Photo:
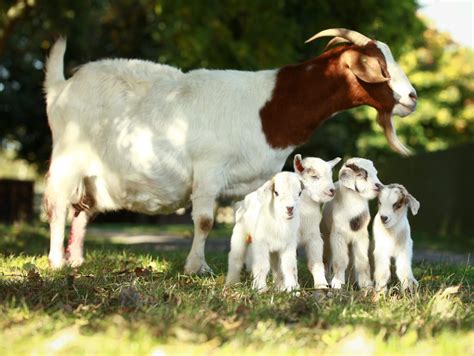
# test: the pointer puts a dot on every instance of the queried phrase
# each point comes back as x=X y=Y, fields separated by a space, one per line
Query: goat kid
x=268 y=219
x=392 y=237
x=316 y=176
x=345 y=221
x=136 y=135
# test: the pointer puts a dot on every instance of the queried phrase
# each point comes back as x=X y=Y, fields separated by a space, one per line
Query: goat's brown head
x=375 y=79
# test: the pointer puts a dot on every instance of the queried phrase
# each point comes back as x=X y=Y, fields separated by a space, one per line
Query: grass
x=128 y=300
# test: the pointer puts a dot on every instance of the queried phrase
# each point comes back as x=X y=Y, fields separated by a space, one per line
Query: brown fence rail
x=16 y=200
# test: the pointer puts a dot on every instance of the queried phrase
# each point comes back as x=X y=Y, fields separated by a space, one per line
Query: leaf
x=142 y=272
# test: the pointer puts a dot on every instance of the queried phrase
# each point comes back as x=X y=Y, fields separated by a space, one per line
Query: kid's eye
x=300 y=193
x=276 y=193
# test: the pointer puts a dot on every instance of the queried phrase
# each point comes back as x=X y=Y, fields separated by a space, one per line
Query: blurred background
x=254 y=35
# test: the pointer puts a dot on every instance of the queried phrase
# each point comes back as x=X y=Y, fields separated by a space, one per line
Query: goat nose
x=289 y=209
x=413 y=95
x=379 y=186
x=383 y=218
x=332 y=191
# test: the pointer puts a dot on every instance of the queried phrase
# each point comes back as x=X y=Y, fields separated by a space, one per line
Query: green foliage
x=237 y=34
x=133 y=301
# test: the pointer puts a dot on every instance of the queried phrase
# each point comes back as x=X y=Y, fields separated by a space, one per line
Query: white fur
x=403 y=92
x=392 y=238
x=149 y=138
x=318 y=188
x=353 y=192
x=139 y=133
x=265 y=217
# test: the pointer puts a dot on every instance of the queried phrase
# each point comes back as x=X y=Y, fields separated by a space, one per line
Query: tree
x=237 y=34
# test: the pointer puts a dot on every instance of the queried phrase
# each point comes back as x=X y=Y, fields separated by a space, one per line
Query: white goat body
x=345 y=221
x=392 y=237
x=268 y=220
x=138 y=134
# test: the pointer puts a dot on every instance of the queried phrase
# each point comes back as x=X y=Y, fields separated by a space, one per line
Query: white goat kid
x=345 y=221
x=269 y=220
x=392 y=237
x=316 y=176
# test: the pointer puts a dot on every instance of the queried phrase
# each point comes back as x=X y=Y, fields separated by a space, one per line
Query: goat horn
x=352 y=36
x=336 y=41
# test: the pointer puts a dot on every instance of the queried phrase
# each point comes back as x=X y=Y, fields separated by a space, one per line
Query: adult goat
x=136 y=135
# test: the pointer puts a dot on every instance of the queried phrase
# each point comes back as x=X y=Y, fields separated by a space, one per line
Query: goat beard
x=384 y=119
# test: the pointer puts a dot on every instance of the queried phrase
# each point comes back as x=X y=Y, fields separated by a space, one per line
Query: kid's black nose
x=383 y=218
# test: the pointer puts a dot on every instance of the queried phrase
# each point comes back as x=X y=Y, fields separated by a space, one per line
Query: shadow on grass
x=135 y=287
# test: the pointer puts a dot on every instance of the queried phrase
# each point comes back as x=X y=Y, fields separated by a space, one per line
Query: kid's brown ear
x=298 y=164
x=364 y=67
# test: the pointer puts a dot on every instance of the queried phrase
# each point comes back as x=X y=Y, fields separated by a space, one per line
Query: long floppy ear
x=413 y=204
x=334 y=162
x=298 y=164
x=265 y=192
x=364 y=67
x=347 y=177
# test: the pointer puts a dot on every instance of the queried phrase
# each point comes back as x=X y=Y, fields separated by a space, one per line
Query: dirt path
x=173 y=242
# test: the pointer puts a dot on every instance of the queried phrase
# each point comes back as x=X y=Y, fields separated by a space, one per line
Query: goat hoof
x=321 y=286
x=197 y=267
x=336 y=285
x=57 y=263
x=75 y=261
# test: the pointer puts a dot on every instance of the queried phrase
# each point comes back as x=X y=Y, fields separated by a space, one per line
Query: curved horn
x=353 y=36
x=336 y=41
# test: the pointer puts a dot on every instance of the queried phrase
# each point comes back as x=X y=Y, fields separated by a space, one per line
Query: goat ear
x=334 y=162
x=347 y=178
x=366 y=68
x=298 y=164
x=266 y=190
x=413 y=204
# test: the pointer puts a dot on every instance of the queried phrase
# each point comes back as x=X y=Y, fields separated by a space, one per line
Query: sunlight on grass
x=130 y=300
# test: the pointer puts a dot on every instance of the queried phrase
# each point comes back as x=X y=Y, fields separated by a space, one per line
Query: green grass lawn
x=127 y=300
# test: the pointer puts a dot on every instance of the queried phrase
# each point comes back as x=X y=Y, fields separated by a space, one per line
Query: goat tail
x=55 y=65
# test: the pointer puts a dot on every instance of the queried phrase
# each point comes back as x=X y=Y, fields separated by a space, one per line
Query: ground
x=134 y=299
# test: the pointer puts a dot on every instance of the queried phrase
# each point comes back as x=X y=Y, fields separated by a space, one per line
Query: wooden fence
x=16 y=200
x=443 y=182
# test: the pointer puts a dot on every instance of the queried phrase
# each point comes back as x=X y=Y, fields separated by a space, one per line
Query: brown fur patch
x=205 y=223
x=47 y=207
x=358 y=221
x=87 y=201
x=308 y=93
x=248 y=239
x=357 y=170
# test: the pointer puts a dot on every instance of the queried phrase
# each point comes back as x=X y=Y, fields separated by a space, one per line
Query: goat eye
x=300 y=193
x=276 y=193
x=315 y=177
